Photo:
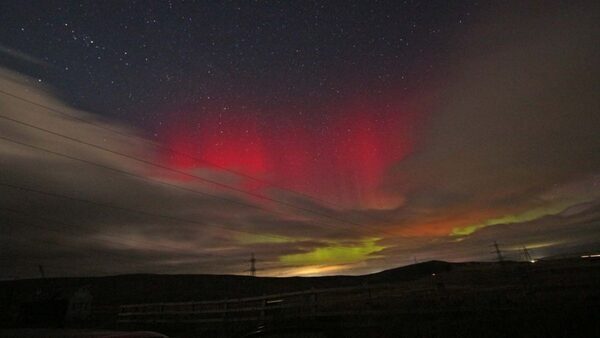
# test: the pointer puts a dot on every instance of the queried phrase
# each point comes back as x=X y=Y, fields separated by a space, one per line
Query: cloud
x=152 y=226
x=509 y=153
x=516 y=118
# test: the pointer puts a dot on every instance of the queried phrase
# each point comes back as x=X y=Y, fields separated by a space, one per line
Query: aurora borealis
x=176 y=137
x=340 y=157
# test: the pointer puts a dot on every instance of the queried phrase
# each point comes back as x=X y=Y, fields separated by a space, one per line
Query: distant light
x=532 y=261
x=433 y=274
x=590 y=256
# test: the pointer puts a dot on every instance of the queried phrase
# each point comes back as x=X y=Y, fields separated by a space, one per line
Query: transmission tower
x=527 y=255
x=498 y=252
x=252 y=265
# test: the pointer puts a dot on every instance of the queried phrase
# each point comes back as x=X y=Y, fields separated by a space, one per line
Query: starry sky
x=325 y=137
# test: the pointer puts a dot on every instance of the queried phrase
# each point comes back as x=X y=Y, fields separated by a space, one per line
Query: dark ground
x=557 y=298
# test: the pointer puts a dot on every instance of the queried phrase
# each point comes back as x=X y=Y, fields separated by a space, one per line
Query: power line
x=174 y=151
x=68 y=225
x=180 y=172
x=135 y=211
x=78 y=249
x=36 y=245
x=64 y=245
x=107 y=238
x=177 y=152
x=128 y=173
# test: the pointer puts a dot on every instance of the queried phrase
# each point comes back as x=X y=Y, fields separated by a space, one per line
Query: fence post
x=370 y=301
x=313 y=300
x=263 y=308
x=156 y=317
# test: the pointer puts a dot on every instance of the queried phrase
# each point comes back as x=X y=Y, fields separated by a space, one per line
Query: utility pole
x=498 y=252
x=252 y=265
x=41 y=268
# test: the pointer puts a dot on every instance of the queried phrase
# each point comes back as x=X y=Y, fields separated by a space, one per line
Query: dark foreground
x=557 y=298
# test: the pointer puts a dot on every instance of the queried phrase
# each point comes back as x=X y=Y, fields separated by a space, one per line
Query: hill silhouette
x=122 y=289
x=434 y=292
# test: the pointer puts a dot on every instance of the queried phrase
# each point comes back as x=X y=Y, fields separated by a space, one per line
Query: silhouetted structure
x=252 y=265
x=526 y=254
x=498 y=252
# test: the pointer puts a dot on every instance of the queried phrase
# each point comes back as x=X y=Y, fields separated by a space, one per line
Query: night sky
x=325 y=137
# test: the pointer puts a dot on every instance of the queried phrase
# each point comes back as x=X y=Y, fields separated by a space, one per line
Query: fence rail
x=360 y=302
x=355 y=300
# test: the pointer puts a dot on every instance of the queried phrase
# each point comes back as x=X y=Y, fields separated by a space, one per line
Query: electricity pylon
x=498 y=252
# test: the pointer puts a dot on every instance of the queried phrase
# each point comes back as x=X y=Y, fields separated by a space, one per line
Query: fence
x=310 y=303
